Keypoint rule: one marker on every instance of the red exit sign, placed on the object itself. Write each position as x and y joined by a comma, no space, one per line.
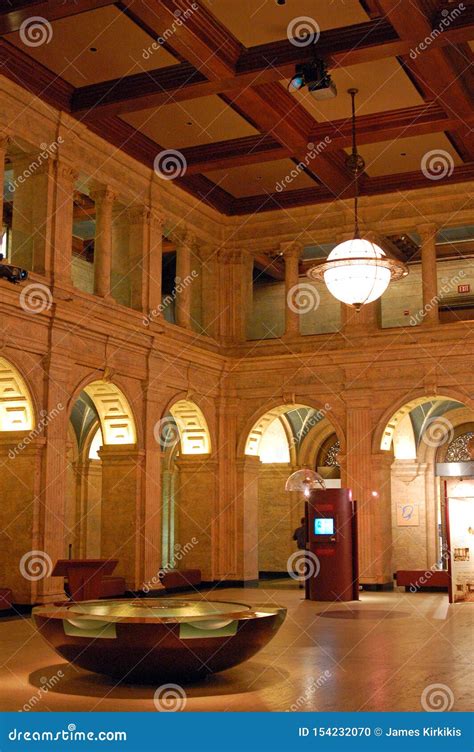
464,288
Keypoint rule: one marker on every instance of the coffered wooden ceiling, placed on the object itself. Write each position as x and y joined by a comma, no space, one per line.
216,89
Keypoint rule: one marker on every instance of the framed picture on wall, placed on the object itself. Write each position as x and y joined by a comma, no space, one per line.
408,514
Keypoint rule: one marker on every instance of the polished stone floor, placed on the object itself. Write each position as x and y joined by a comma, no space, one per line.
380,653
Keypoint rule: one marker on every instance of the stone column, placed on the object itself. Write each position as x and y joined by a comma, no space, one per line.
291,253
66,177
54,475
246,518
429,278
210,290
120,269
151,479
235,294
104,200
20,530
33,208
4,142
183,272
196,514
361,472
123,527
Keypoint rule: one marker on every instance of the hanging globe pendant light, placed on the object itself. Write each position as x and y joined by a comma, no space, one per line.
357,271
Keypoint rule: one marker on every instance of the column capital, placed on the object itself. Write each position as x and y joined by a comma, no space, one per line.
67,171
233,255
427,231
291,249
103,195
138,214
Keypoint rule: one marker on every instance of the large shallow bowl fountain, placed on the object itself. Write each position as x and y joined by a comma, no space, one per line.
156,638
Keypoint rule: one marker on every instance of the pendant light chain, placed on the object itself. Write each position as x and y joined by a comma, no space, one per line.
356,164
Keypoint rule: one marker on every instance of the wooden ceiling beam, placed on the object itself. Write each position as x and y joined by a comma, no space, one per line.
443,75
255,66
381,126
13,14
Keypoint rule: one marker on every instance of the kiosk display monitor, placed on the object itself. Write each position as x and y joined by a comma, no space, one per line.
324,526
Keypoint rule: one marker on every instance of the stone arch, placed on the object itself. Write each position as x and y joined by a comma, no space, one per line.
250,438
115,414
16,404
383,434
194,434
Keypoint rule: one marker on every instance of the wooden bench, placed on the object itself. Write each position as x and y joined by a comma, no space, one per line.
6,597
420,579
181,579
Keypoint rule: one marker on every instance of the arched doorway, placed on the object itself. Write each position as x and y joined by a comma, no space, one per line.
283,440
103,477
420,434
188,488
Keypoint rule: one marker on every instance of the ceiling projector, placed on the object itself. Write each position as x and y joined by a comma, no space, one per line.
316,77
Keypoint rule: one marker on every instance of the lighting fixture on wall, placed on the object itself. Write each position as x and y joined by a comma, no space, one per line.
357,271
304,481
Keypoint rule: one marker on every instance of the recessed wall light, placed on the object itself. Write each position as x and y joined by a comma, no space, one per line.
92,49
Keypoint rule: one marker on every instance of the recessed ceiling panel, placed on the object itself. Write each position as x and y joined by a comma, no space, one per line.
90,47
382,86
253,180
191,123
432,154
255,22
